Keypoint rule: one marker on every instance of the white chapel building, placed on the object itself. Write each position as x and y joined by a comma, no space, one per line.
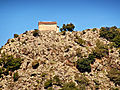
42,26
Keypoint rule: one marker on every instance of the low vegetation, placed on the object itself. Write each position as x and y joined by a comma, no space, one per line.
80,41
111,34
83,65
9,63
82,81
94,29
48,83
78,52
68,27
69,86
114,76
56,81
16,35
15,76
36,33
100,50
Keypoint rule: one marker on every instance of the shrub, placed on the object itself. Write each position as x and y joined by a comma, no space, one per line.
48,83
112,34
94,29
91,58
111,51
1,72
35,64
16,35
56,80
43,74
15,76
69,86
50,88
11,63
12,40
80,41
83,65
68,27
8,63
82,81
116,40
101,50
36,33
114,76
78,52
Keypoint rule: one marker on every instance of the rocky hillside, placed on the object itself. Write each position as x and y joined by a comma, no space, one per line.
46,60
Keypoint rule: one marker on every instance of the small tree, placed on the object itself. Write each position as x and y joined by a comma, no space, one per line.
68,27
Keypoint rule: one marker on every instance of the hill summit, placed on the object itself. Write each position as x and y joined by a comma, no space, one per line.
50,60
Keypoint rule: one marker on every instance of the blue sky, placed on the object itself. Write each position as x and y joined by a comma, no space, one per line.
17,16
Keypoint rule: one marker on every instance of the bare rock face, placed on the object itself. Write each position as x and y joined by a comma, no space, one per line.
56,55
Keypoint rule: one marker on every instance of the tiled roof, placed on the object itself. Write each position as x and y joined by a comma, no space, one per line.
47,23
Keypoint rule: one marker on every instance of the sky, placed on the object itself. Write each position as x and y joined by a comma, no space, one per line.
18,16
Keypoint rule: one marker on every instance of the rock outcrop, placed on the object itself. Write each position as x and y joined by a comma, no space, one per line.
53,54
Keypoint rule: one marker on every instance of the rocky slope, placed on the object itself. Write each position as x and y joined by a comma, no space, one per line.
49,61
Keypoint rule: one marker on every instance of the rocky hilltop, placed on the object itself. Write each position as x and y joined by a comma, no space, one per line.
46,60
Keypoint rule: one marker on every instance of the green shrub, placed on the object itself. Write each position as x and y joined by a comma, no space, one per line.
16,35
69,86
91,58
82,81
116,40
35,64
80,41
15,76
50,88
9,63
1,72
48,83
36,33
83,65
56,80
78,52
114,76
94,29
43,74
111,51
68,27
112,34
101,50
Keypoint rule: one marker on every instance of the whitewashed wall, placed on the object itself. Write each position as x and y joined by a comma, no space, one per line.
48,27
